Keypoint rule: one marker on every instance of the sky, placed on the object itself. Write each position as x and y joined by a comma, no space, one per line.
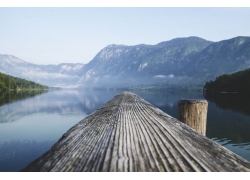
52,34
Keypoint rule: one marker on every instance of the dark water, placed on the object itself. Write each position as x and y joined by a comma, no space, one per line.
30,125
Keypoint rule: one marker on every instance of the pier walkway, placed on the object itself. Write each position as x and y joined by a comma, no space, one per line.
129,134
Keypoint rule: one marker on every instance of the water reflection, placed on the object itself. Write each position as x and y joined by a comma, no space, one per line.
229,117
37,122
11,96
242,149
70,102
60,102
168,101
16,154
239,102
229,122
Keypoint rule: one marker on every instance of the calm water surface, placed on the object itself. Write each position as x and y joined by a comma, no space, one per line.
31,124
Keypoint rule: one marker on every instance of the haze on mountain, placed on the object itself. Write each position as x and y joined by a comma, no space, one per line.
179,63
62,75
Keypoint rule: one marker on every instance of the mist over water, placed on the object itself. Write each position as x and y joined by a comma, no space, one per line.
29,126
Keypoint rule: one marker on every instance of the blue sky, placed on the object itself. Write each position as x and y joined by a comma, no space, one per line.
75,35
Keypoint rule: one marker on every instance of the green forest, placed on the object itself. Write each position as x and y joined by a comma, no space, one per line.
236,82
8,83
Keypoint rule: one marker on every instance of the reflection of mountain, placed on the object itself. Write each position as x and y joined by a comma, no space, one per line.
11,96
75,102
68,102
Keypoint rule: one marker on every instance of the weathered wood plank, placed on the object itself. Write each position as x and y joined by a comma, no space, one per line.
129,134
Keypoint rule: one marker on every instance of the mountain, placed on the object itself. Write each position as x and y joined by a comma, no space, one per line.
179,62
227,56
62,75
120,65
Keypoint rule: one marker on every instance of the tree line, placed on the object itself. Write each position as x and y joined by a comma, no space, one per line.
236,82
8,83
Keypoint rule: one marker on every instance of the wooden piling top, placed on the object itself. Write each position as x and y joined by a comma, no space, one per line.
192,101
129,134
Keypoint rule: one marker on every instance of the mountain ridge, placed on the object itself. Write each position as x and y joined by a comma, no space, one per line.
184,61
131,61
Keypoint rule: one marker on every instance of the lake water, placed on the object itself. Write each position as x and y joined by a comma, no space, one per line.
30,124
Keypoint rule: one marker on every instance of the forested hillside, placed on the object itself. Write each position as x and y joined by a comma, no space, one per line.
236,82
13,83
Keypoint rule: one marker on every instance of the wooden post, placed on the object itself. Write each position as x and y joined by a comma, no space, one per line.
194,114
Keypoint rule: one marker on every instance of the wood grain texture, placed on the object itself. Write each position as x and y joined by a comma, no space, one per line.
194,114
129,134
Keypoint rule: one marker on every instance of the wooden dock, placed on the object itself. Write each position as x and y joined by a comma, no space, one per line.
129,134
